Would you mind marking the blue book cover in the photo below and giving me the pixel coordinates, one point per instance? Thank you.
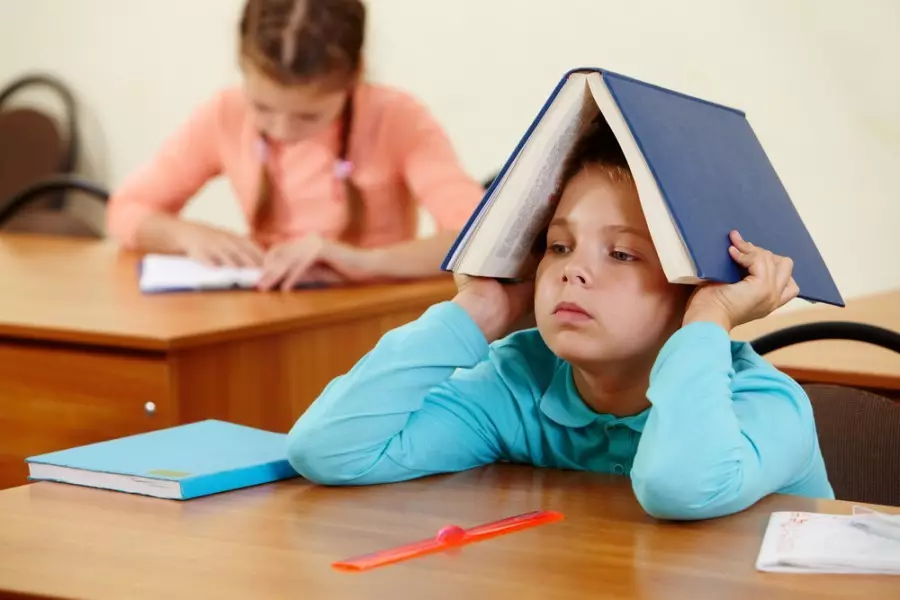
(705, 168)
(715, 176)
(182, 462)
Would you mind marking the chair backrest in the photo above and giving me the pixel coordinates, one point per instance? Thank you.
(827, 330)
(30, 150)
(38, 155)
(859, 434)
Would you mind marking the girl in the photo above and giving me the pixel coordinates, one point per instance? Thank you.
(327, 167)
(625, 372)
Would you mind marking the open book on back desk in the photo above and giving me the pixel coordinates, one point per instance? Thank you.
(167, 274)
(699, 169)
(802, 542)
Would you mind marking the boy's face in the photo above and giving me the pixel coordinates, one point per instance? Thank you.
(601, 295)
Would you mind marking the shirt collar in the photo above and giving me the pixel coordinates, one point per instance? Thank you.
(562, 404)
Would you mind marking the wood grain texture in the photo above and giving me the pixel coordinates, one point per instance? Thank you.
(841, 362)
(278, 541)
(86, 292)
(269, 381)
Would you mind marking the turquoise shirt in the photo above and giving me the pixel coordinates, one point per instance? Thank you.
(724, 429)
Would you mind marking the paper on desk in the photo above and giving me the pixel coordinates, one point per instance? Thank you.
(803, 542)
(164, 273)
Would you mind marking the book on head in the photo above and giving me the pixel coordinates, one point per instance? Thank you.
(699, 169)
(179, 463)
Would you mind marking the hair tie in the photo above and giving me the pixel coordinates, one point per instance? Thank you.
(262, 149)
(343, 169)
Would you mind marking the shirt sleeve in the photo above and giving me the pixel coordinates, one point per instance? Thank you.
(431, 167)
(715, 442)
(425, 400)
(187, 160)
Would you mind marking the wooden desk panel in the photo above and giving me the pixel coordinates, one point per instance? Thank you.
(86, 292)
(82, 350)
(840, 362)
(54, 397)
(278, 541)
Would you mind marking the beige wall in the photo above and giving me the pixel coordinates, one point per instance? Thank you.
(818, 80)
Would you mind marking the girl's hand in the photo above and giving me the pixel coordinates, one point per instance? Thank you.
(313, 259)
(494, 306)
(768, 286)
(216, 247)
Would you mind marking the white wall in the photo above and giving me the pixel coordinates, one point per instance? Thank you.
(817, 78)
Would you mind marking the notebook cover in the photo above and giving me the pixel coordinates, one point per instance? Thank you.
(206, 457)
(715, 176)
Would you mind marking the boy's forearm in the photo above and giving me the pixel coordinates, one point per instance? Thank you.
(693, 461)
(346, 429)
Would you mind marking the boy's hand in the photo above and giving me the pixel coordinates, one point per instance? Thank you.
(494, 306)
(767, 287)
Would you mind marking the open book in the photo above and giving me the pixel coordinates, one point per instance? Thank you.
(802, 542)
(160, 273)
(164, 273)
(699, 170)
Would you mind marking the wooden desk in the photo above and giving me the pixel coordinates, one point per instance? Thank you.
(842, 362)
(84, 356)
(279, 541)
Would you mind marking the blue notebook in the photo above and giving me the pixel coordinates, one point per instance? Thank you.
(699, 169)
(178, 463)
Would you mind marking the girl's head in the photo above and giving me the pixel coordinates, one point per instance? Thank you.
(300, 60)
(601, 295)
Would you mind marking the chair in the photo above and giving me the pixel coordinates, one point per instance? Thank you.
(37, 167)
(859, 434)
(827, 330)
(859, 431)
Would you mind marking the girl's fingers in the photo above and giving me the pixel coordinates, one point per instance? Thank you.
(230, 254)
(246, 253)
(272, 274)
(295, 274)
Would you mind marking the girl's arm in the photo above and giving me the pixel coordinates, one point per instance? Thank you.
(142, 213)
(717, 441)
(436, 180)
(427, 399)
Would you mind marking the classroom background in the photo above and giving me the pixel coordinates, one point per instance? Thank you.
(87, 357)
(818, 81)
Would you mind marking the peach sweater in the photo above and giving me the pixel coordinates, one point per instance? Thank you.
(401, 156)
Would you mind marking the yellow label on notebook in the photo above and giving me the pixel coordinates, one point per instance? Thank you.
(168, 473)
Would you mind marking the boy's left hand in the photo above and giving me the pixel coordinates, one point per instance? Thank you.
(312, 259)
(767, 287)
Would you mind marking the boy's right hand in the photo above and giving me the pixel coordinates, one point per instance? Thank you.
(494, 306)
(217, 247)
